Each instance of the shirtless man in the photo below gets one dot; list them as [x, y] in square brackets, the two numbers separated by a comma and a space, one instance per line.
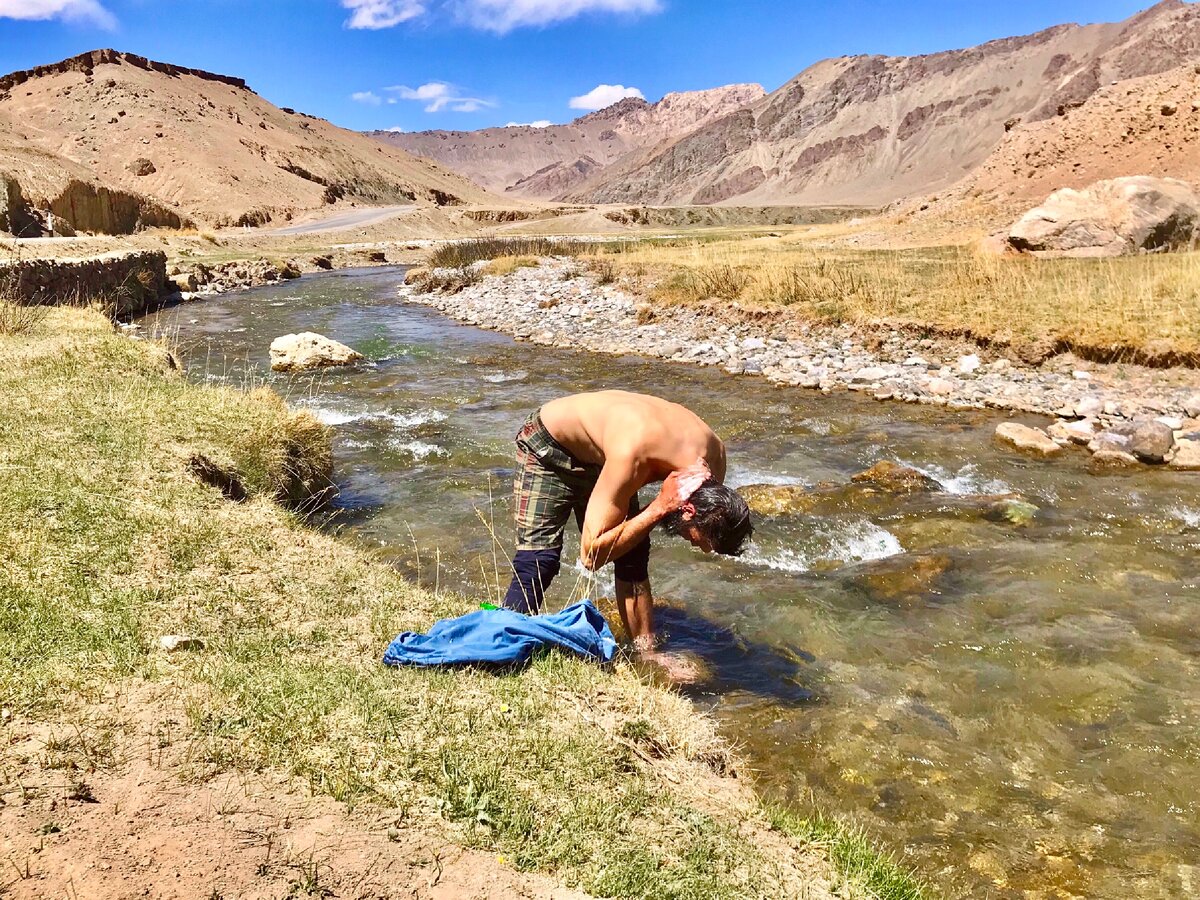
[589, 454]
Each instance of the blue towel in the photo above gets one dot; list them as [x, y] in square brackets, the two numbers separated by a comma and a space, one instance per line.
[504, 636]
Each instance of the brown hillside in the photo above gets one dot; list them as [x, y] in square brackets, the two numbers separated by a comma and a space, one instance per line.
[549, 162]
[870, 130]
[112, 141]
[1143, 126]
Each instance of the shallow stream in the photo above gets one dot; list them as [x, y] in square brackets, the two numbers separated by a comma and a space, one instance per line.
[1014, 708]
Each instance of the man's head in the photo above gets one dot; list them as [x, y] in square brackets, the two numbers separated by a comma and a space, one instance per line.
[715, 519]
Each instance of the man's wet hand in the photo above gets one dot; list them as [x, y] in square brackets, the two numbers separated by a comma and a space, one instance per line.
[679, 486]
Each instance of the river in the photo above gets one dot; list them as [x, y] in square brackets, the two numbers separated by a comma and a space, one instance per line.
[1024, 722]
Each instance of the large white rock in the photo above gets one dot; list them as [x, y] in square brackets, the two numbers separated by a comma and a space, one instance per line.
[1032, 440]
[309, 351]
[1112, 218]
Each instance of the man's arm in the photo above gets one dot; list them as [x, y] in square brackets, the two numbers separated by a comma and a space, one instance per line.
[607, 534]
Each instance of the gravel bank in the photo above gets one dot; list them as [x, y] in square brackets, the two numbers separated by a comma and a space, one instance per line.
[559, 304]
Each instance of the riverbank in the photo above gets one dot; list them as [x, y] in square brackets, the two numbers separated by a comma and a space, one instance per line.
[122, 534]
[561, 302]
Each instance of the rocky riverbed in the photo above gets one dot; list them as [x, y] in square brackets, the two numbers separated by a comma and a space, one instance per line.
[1126, 415]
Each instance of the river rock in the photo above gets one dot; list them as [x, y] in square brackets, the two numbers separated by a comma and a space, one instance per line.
[1187, 454]
[902, 580]
[1089, 407]
[896, 479]
[1192, 406]
[1151, 442]
[1109, 440]
[1074, 432]
[1111, 218]
[308, 350]
[777, 499]
[1112, 459]
[1031, 440]
[1013, 511]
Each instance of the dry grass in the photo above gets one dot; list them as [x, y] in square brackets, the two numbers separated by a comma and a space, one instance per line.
[1149, 303]
[111, 541]
[506, 265]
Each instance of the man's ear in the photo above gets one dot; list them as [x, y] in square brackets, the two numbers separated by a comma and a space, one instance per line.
[688, 510]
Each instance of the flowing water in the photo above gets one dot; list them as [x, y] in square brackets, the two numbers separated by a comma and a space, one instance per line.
[1015, 709]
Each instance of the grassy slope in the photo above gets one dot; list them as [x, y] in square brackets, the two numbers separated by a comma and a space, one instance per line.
[110, 543]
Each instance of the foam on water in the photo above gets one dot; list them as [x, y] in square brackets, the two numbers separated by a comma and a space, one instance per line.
[417, 449]
[784, 560]
[335, 416]
[1189, 517]
[859, 541]
[741, 478]
[501, 377]
[865, 541]
[413, 419]
[966, 481]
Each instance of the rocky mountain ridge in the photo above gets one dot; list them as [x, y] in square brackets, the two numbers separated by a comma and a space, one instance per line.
[547, 162]
[112, 142]
[873, 129]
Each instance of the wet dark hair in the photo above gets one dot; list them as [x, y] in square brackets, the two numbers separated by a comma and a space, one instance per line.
[722, 516]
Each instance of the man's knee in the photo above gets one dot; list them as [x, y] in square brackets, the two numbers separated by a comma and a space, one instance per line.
[533, 570]
[634, 566]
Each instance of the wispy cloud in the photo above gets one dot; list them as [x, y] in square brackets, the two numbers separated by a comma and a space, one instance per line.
[439, 95]
[603, 95]
[540, 123]
[376, 14]
[370, 98]
[499, 16]
[502, 16]
[87, 12]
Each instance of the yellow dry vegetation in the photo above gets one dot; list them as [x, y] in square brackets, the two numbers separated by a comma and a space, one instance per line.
[1147, 303]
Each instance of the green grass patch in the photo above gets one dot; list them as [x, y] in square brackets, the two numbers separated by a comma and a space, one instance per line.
[855, 856]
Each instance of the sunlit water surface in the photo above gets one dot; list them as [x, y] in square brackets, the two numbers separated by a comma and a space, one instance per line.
[1025, 726]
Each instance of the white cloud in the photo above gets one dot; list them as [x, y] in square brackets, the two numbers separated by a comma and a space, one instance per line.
[395, 129]
[439, 95]
[375, 14]
[83, 11]
[603, 95]
[368, 97]
[540, 123]
[503, 16]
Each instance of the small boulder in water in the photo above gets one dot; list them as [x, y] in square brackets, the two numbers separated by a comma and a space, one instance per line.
[1152, 441]
[308, 350]
[777, 499]
[902, 580]
[896, 479]
[1013, 511]
[1033, 440]
[1187, 454]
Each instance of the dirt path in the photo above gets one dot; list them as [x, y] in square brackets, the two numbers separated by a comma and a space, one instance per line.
[138, 829]
[345, 221]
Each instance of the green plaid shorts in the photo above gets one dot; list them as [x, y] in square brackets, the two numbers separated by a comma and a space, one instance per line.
[550, 486]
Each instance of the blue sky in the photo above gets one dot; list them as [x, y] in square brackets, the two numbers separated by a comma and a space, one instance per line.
[417, 64]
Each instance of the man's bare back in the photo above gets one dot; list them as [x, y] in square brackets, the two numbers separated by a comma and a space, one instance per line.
[663, 437]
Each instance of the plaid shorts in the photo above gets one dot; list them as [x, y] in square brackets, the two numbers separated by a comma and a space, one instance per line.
[550, 486]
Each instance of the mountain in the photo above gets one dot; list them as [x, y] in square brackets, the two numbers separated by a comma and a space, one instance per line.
[549, 162]
[869, 130]
[111, 142]
[1148, 125]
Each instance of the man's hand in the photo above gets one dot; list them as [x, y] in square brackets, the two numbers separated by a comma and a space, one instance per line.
[679, 486]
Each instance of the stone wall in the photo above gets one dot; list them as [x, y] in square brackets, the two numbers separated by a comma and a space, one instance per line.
[124, 283]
